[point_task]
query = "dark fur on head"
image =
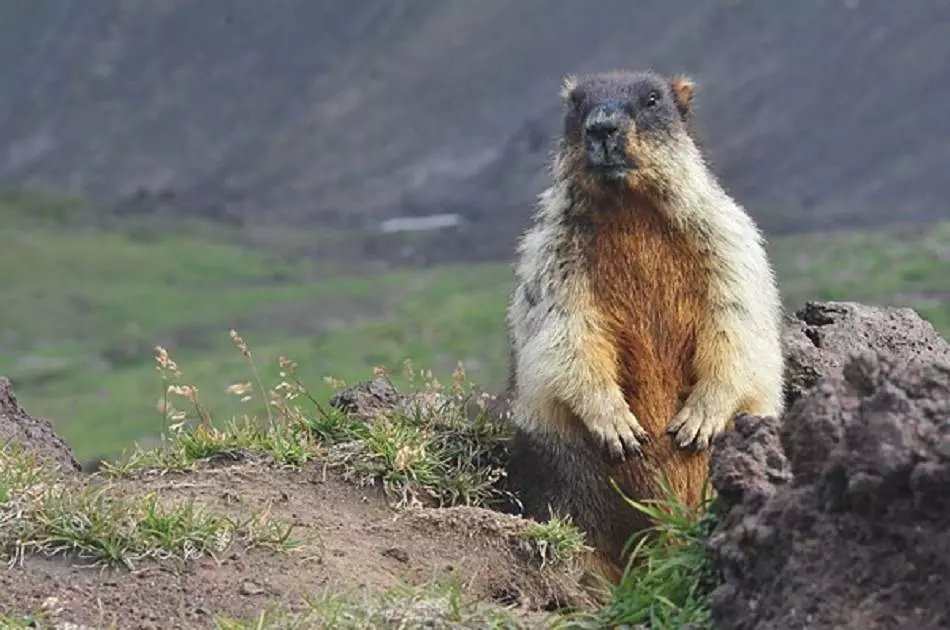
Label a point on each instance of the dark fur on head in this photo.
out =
(618, 125)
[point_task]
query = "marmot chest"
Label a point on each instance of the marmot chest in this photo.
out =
(650, 283)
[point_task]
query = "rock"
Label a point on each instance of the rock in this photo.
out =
(396, 553)
(858, 535)
(821, 336)
(37, 435)
(366, 399)
(250, 588)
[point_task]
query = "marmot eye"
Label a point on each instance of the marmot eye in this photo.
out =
(653, 98)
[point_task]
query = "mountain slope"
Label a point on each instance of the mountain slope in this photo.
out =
(817, 113)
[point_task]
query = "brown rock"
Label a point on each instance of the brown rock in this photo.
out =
(367, 398)
(859, 537)
(820, 337)
(37, 435)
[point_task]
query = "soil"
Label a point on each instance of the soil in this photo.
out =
(839, 516)
(351, 541)
(836, 515)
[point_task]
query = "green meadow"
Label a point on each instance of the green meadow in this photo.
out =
(83, 308)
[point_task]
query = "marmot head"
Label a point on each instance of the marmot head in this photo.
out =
(626, 129)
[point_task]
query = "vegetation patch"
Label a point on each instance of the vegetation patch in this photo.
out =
(438, 448)
(85, 303)
(555, 540)
(44, 512)
(435, 446)
(669, 577)
(435, 450)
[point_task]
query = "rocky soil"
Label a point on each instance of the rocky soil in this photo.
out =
(21, 430)
(836, 516)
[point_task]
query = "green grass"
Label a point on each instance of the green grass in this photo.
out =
(43, 512)
(12, 621)
(668, 578)
(900, 266)
(555, 540)
(437, 447)
(83, 309)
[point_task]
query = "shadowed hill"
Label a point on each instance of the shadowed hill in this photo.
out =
(817, 113)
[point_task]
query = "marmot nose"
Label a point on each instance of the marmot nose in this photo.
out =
(604, 130)
(603, 122)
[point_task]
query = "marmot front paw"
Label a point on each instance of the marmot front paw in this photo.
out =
(698, 423)
(621, 435)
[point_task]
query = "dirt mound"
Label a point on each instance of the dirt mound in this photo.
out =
(19, 428)
(822, 335)
(351, 542)
(840, 517)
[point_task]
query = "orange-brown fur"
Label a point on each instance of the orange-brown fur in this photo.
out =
(659, 332)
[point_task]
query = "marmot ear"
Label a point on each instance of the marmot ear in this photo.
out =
(567, 87)
(683, 88)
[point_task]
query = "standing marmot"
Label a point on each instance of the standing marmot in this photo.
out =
(645, 313)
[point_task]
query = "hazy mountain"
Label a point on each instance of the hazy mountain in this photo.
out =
(817, 112)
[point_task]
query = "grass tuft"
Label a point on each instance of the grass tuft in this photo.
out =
(669, 576)
(43, 512)
(430, 454)
(191, 436)
(13, 621)
(435, 448)
(556, 540)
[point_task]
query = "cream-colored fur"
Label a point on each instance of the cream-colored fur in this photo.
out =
(565, 365)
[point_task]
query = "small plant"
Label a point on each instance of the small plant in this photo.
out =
(12, 621)
(669, 575)
(555, 540)
(435, 449)
(285, 436)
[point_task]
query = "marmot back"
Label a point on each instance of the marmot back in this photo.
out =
(645, 313)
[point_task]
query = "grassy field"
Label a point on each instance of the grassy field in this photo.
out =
(83, 309)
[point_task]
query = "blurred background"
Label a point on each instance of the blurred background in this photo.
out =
(343, 183)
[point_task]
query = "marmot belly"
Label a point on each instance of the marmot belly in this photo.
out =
(652, 285)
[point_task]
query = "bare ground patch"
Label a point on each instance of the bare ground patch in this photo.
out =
(343, 540)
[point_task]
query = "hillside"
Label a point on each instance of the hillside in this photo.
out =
(818, 113)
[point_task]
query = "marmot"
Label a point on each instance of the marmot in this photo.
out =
(645, 313)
